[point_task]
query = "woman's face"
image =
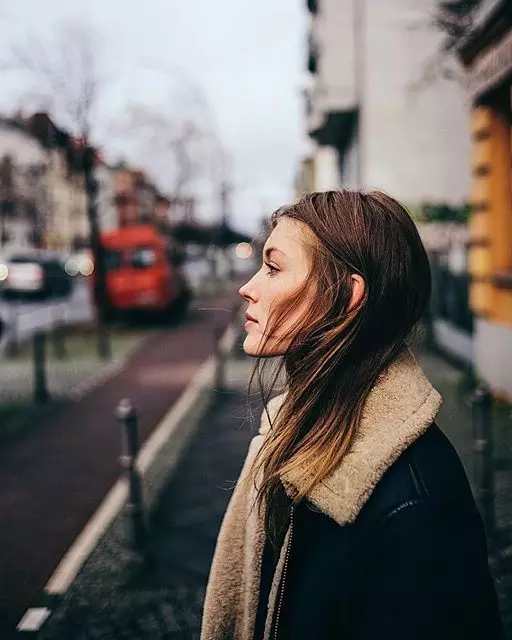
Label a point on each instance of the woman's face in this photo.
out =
(285, 268)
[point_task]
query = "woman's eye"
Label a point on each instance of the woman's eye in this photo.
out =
(271, 270)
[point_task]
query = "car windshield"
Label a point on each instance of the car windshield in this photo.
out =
(143, 257)
(113, 259)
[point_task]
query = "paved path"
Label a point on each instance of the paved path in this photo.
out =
(52, 481)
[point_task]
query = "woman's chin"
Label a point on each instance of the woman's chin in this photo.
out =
(249, 346)
(252, 348)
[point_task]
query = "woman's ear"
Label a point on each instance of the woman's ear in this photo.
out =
(358, 289)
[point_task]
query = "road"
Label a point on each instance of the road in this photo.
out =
(52, 482)
(22, 319)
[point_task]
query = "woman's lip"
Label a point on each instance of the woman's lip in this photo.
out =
(249, 322)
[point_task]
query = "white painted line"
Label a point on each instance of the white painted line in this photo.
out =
(33, 619)
(171, 421)
(85, 542)
(115, 499)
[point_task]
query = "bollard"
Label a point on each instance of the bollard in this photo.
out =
(483, 458)
(220, 359)
(12, 346)
(59, 344)
(41, 394)
(134, 510)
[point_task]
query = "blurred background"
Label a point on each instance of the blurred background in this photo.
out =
(142, 151)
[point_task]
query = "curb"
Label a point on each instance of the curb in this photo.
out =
(156, 462)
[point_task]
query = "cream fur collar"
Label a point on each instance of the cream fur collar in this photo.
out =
(400, 407)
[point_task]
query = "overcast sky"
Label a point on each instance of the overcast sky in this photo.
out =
(247, 55)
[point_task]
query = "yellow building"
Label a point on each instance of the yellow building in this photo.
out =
(487, 56)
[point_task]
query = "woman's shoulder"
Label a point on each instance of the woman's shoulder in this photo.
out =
(428, 475)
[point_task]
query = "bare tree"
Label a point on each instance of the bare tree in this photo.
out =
(453, 19)
(63, 77)
(175, 148)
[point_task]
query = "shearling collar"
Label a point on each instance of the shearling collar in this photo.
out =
(400, 407)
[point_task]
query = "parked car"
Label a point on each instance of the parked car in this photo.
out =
(35, 276)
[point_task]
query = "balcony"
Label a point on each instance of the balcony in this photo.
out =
(312, 6)
(312, 53)
(331, 114)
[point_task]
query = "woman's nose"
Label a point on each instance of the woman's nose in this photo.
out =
(245, 291)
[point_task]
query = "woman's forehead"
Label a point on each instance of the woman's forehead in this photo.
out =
(288, 236)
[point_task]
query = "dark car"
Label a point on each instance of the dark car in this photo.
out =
(36, 276)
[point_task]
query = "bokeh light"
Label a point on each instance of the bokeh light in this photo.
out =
(243, 250)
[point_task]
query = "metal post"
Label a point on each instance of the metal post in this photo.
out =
(41, 394)
(127, 416)
(220, 359)
(483, 457)
(59, 345)
(430, 311)
(13, 345)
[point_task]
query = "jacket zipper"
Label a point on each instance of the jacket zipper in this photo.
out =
(283, 580)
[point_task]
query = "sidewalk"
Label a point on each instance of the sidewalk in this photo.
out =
(112, 599)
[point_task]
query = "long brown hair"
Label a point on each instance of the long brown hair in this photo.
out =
(333, 356)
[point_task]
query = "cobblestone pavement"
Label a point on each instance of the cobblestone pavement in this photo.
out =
(164, 599)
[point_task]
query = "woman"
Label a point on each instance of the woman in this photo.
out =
(353, 517)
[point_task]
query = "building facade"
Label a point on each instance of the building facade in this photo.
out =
(487, 56)
(374, 123)
(67, 226)
(108, 217)
(331, 98)
(24, 202)
(135, 196)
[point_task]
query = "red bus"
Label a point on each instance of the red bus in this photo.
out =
(140, 274)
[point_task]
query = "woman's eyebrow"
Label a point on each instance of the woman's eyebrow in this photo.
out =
(268, 252)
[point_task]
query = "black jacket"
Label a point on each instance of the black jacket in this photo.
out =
(412, 566)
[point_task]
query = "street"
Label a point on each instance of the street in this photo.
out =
(21, 319)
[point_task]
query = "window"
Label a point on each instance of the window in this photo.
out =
(113, 260)
(143, 257)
